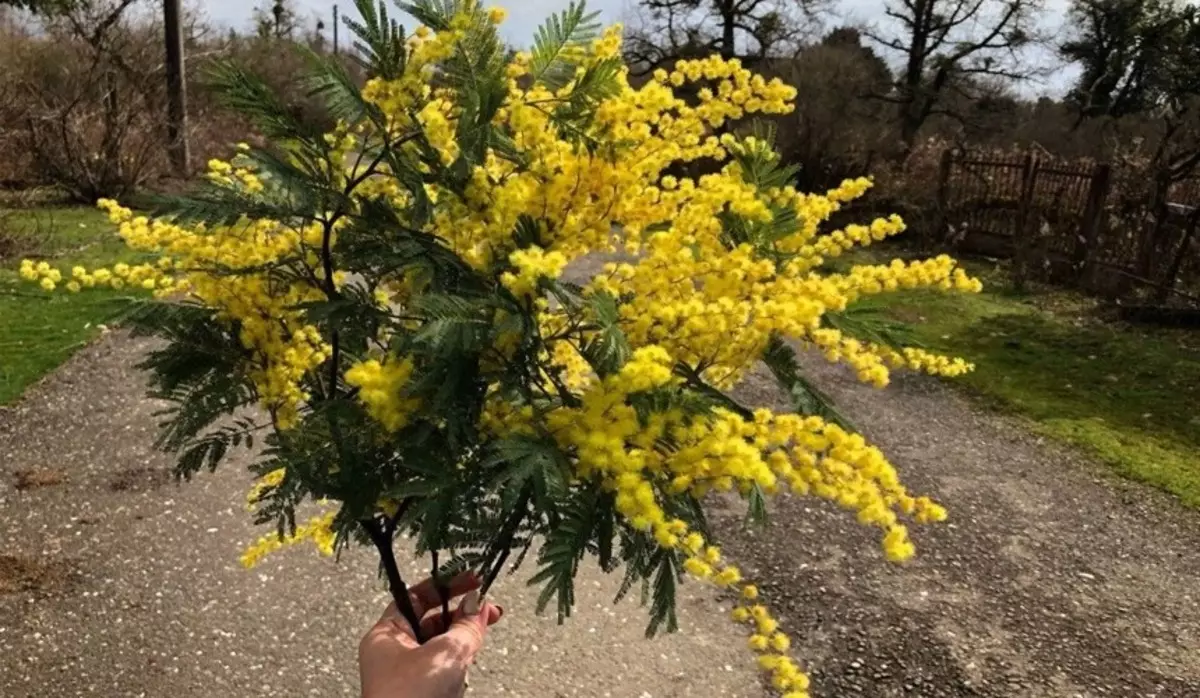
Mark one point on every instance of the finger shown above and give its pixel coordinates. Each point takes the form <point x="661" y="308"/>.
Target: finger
<point x="432" y="625"/>
<point x="465" y="637"/>
<point x="425" y="596"/>
<point x="389" y="613"/>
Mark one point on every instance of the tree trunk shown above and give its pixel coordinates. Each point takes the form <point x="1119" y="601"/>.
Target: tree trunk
<point x="110" y="175"/>
<point x="910" y="124"/>
<point x="1091" y="223"/>
<point x="177" y="143"/>
<point x="728" y="18"/>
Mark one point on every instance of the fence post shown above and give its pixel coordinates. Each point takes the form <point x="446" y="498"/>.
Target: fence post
<point x="941" y="217"/>
<point x="1163" y="292"/>
<point x="1021" y="238"/>
<point x="1090" y="224"/>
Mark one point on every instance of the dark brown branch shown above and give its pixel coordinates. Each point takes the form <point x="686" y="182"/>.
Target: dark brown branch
<point x="443" y="591"/>
<point x="504" y="541"/>
<point x="381" y="536"/>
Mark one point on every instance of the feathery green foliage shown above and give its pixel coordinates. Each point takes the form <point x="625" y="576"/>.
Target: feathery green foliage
<point x="467" y="496"/>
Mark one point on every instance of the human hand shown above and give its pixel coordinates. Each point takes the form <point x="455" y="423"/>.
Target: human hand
<point x="393" y="665"/>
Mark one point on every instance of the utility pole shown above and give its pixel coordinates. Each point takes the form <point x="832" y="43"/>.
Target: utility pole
<point x="335" y="28"/>
<point x="177" y="142"/>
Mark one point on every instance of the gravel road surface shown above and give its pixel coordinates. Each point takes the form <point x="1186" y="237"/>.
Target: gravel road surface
<point x="1050" y="579"/>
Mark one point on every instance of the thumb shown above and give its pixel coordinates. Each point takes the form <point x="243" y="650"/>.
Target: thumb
<point x="465" y="636"/>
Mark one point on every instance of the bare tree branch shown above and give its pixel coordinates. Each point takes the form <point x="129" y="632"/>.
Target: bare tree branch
<point x="943" y="43"/>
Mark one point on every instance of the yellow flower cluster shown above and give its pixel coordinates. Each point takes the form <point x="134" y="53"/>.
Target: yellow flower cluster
<point x="193" y="263"/>
<point x="42" y="273"/>
<point x="381" y="389"/>
<point x="726" y="452"/>
<point x="531" y="264"/>
<point x="940" y="272"/>
<point x="140" y="276"/>
<point x="318" y="529"/>
<point x="262" y="484"/>
<point x="222" y="172"/>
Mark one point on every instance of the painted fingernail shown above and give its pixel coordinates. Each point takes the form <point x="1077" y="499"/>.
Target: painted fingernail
<point x="470" y="603"/>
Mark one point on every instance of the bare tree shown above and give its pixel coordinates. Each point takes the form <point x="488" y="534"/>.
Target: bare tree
<point x="949" y="47"/>
<point x="45" y="8"/>
<point x="665" y="30"/>
<point x="88" y="80"/>
<point x="279" y="20"/>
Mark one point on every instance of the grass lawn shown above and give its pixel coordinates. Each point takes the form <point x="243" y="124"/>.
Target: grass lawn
<point x="1129" y="395"/>
<point x="40" y="330"/>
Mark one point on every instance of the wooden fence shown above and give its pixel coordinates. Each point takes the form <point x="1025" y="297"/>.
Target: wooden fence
<point x="1089" y="224"/>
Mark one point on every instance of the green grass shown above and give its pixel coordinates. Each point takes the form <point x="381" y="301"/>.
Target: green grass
<point x="1129" y="396"/>
<point x="40" y="330"/>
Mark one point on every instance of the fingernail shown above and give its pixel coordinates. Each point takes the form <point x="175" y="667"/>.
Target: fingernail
<point x="470" y="603"/>
<point x="499" y="611"/>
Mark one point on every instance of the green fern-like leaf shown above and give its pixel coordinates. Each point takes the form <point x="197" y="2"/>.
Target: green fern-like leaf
<point x="215" y="205"/>
<point x="760" y="163"/>
<point x="662" y="595"/>
<point x="196" y="372"/>
<point x="563" y="549"/>
<point x="247" y="94"/>
<point x="329" y="82"/>
<point x="572" y="117"/>
<point x="452" y="323"/>
<point x="524" y="461"/>
<point x="867" y="319"/>
<point x="570" y="28"/>
<point x="608" y="351"/>
<point x="380" y="45"/>
<point x="780" y="357"/>
<point x="435" y="14"/>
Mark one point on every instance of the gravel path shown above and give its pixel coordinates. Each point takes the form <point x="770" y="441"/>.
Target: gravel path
<point x="1049" y="580"/>
<point x="140" y="592"/>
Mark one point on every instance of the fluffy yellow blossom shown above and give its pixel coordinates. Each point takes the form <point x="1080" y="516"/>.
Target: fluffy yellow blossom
<point x="708" y="272"/>
<point x="317" y="529"/>
<point x="262" y="484"/>
<point x="532" y="264"/>
<point x="381" y="389"/>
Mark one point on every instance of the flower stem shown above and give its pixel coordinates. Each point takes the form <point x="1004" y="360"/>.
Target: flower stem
<point x="503" y="543"/>
<point x="381" y="536"/>
<point x="443" y="591"/>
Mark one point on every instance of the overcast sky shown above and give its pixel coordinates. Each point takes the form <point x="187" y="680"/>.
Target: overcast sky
<point x="525" y="15"/>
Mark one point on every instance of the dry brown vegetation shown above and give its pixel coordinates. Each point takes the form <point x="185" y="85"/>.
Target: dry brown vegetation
<point x="19" y="573"/>
<point x="37" y="478"/>
<point x="83" y="95"/>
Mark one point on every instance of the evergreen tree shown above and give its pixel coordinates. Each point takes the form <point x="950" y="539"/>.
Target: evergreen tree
<point x="1133" y="54"/>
